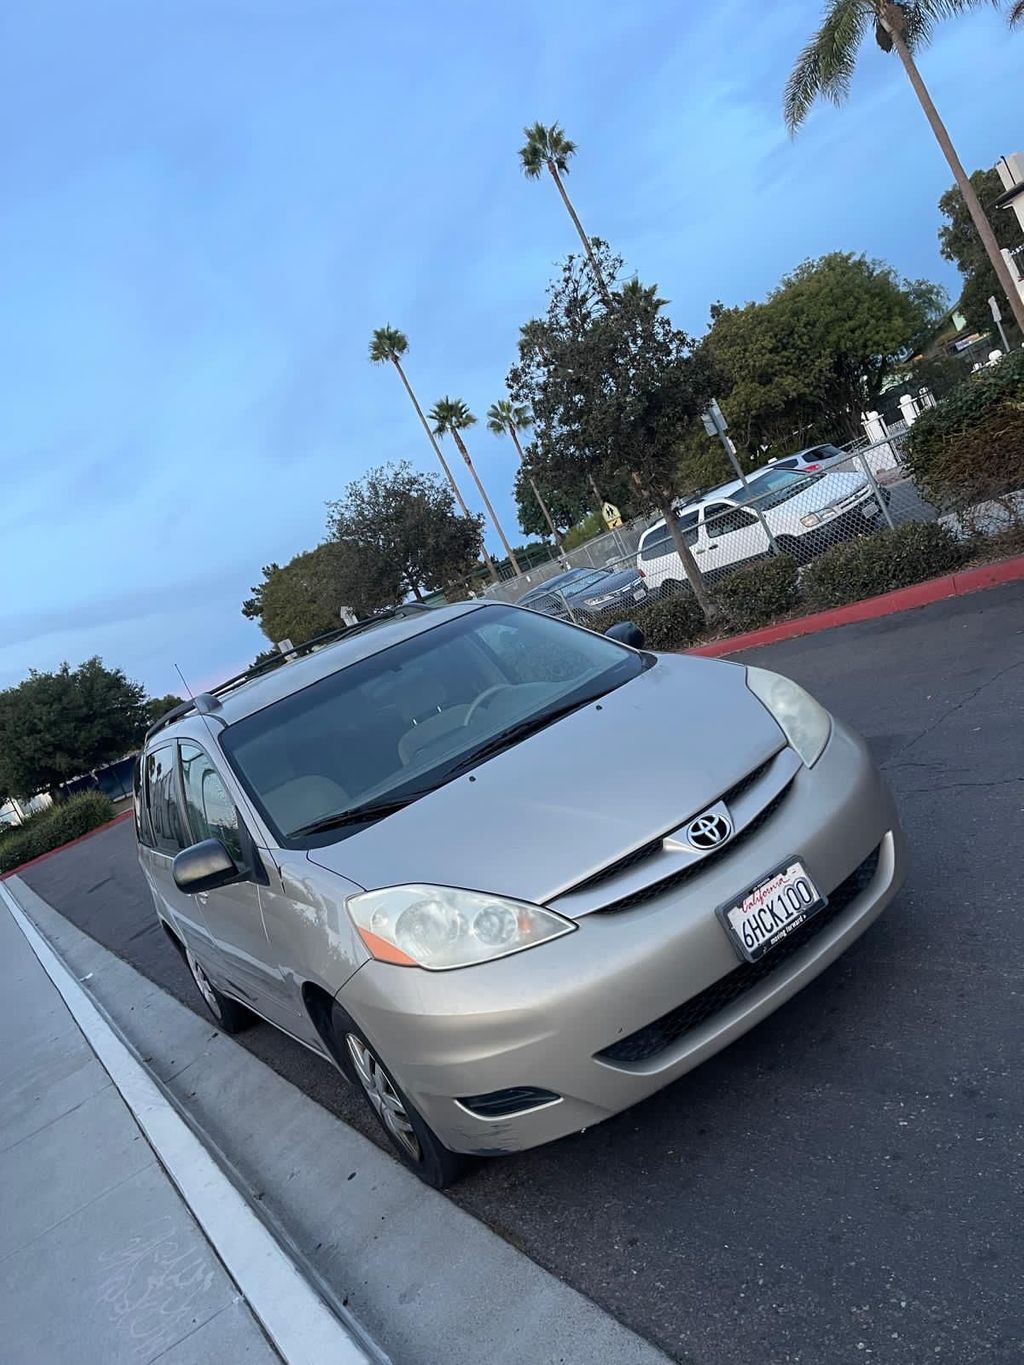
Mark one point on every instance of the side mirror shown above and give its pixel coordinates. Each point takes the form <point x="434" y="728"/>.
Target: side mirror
<point x="204" y="867"/>
<point x="627" y="633"/>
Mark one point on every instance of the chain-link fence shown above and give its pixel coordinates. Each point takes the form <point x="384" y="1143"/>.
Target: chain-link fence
<point x="801" y="511"/>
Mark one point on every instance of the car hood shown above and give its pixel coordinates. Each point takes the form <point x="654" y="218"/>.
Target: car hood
<point x="556" y="808"/>
<point x="613" y="582"/>
<point x="829" y="488"/>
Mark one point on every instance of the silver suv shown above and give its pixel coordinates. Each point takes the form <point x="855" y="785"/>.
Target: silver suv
<point x="511" y="876"/>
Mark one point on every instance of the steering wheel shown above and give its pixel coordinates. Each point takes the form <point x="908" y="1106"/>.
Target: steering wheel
<point x="485" y="695"/>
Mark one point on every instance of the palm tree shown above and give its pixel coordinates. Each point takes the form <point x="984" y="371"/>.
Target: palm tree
<point x="388" y="343"/>
<point x="1016" y="15"/>
<point x="547" y="148"/>
<point x="506" y="418"/>
<point x="451" y="415"/>
<point x="826" y="65"/>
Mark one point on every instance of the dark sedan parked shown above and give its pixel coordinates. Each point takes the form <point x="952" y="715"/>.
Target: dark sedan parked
<point x="586" y="590"/>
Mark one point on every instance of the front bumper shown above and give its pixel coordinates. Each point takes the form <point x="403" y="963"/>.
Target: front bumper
<point x="540" y="1018"/>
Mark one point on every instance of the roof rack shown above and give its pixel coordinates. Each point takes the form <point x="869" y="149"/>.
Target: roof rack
<point x="208" y="703"/>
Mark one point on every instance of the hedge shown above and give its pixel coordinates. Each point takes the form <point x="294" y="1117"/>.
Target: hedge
<point x="761" y="592"/>
<point x="874" y="564"/>
<point x="55" y="826"/>
<point x="970" y="447"/>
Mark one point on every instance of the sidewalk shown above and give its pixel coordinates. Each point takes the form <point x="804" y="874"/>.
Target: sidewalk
<point x="100" y="1260"/>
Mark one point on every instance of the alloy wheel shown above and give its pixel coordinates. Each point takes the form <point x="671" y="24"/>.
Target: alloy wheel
<point x="383" y="1096"/>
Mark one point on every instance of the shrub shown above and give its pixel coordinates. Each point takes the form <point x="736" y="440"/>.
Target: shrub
<point x="970" y="447"/>
<point x="759" y="593"/>
<point x="672" y="622"/>
<point x="879" y="563"/>
<point x="55" y="826"/>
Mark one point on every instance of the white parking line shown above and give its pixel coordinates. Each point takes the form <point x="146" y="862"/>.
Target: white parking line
<point x="298" y="1322"/>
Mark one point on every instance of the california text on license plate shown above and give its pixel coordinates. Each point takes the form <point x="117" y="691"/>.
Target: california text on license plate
<point x="771" y="910"/>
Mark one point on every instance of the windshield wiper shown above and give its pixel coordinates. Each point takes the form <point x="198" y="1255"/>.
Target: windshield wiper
<point x="521" y="730"/>
<point x="369" y="810"/>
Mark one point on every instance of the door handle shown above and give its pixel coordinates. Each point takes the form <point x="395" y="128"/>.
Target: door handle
<point x="698" y="549"/>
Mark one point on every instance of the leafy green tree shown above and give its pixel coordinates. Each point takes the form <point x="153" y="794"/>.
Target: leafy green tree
<point x="410" y="520"/>
<point x="548" y="149"/>
<point x="307" y="596"/>
<point x="825" y="67"/>
<point x="452" y="416"/>
<point x="60" y="725"/>
<point x="159" y="706"/>
<point x="566" y="505"/>
<point x="804" y="364"/>
<point x="959" y="242"/>
<point x="614" y="390"/>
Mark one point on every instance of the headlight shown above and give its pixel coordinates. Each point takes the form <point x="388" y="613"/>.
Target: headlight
<point x="812" y="519"/>
<point x="438" y="927"/>
<point x="804" y="722"/>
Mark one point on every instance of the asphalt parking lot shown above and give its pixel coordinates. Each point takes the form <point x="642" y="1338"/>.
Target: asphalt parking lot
<point x="844" y="1183"/>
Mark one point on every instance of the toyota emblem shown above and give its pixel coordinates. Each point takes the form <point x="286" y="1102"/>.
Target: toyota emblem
<point x="709" y="830"/>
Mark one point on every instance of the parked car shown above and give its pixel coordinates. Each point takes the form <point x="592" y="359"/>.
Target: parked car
<point x="812" y="460"/>
<point x="588" y="590"/>
<point x="804" y="512"/>
<point x="405" y="851"/>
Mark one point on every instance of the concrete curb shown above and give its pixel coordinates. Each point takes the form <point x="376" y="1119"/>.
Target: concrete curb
<point x="888" y="604"/>
<point x="295" y="1317"/>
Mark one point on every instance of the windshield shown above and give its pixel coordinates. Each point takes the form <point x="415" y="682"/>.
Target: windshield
<point x="772" y="487"/>
<point x="392" y="727"/>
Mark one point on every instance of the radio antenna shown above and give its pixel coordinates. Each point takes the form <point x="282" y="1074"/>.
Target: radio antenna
<point x="199" y="711"/>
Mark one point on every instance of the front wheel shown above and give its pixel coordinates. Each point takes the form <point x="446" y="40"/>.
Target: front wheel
<point x="230" y="1016"/>
<point x="416" y="1144"/>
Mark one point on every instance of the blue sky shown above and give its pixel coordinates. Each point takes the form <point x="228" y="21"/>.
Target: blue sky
<point x="210" y="204"/>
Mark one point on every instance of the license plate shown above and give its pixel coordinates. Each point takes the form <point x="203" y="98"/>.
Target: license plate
<point x="639" y="594"/>
<point x="771" y="910"/>
<point x="871" y="509"/>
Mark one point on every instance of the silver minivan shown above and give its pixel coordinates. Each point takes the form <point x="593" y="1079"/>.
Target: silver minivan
<point x="509" y="875"/>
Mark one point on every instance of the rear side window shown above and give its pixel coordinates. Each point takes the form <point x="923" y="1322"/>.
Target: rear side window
<point x="658" y="542"/>
<point x="165" y="815"/>
<point x="721" y="519"/>
<point x="787" y="464"/>
<point x="210" y="810"/>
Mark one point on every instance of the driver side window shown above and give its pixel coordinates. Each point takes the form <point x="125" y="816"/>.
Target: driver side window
<point x="210" y="810"/>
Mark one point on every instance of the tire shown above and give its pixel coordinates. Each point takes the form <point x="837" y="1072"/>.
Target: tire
<point x="414" y="1142"/>
<point x="229" y="1015"/>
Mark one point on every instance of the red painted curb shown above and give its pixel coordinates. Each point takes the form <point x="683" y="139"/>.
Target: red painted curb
<point x="17" y="871"/>
<point x="888" y="604"/>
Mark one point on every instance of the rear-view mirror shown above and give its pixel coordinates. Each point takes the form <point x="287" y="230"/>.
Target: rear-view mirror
<point x="204" y="867"/>
<point x="627" y="633"/>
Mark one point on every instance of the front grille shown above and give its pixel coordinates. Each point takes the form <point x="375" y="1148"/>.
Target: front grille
<point x="653" y="1038"/>
<point x="516" y="1100"/>
<point x="674" y="879"/>
<point x="654" y="845"/>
